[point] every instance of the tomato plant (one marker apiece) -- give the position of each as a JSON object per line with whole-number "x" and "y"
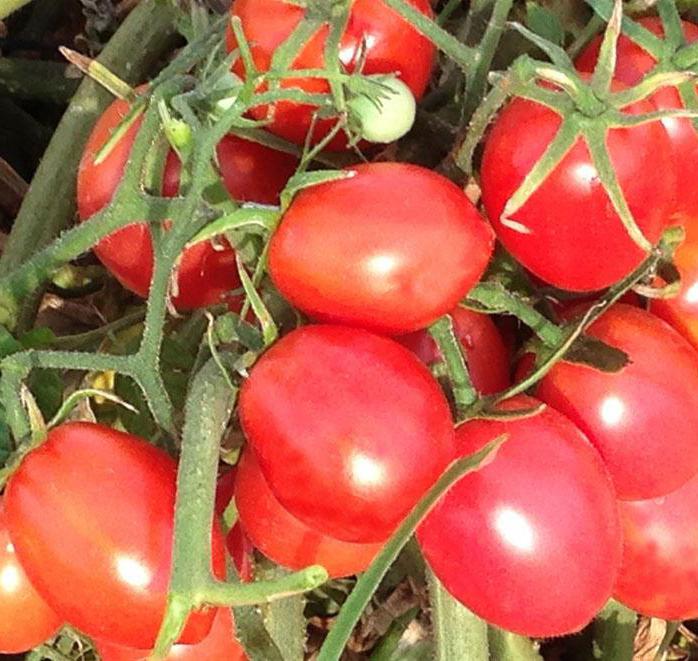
{"x": 205, "y": 274}
{"x": 543, "y": 507}
{"x": 219, "y": 645}
{"x": 486, "y": 353}
{"x": 330, "y": 409}
{"x": 372, "y": 250}
{"x": 26, "y": 620}
{"x": 659, "y": 576}
{"x": 568, "y": 232}
{"x": 283, "y": 538}
{"x": 110, "y": 497}
{"x": 622, "y": 412}
{"x": 375, "y": 37}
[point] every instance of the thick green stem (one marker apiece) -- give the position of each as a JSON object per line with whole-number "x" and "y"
{"x": 614, "y": 633}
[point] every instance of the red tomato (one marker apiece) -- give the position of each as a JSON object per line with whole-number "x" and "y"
{"x": 286, "y": 540}
{"x": 682, "y": 311}
{"x": 531, "y": 542}
{"x": 25, "y": 619}
{"x": 375, "y": 33}
{"x": 573, "y": 238}
{"x": 349, "y": 429}
{"x": 390, "y": 249}
{"x": 90, "y": 513}
{"x": 225, "y": 488}
{"x": 250, "y": 172}
{"x": 643, "y": 418}
{"x": 659, "y": 572}
{"x": 485, "y": 351}
{"x": 632, "y": 64}
{"x": 219, "y": 645}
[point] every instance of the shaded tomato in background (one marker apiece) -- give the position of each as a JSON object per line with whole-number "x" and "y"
{"x": 568, "y": 233}
{"x": 485, "y": 351}
{"x": 91, "y": 515}
{"x": 659, "y": 573}
{"x": 389, "y": 43}
{"x": 390, "y": 248}
{"x": 250, "y": 172}
{"x": 530, "y": 542}
{"x": 26, "y": 620}
{"x": 219, "y": 645}
{"x": 286, "y": 540}
{"x": 643, "y": 418}
{"x": 339, "y": 420}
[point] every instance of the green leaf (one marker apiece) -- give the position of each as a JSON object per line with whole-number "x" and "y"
{"x": 614, "y": 633}
{"x": 507, "y": 646}
{"x": 544, "y": 22}
{"x": 303, "y": 180}
{"x": 6, "y": 446}
{"x": 47, "y": 388}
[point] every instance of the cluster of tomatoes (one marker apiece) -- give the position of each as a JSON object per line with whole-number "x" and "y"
{"x": 591, "y": 496}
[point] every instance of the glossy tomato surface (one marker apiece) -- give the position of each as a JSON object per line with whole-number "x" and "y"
{"x": 250, "y": 172}
{"x": 219, "y": 645}
{"x": 568, "y": 233}
{"x": 286, "y": 540}
{"x": 90, "y": 513}
{"x": 389, "y": 249}
{"x": 26, "y": 620}
{"x": 642, "y": 419}
{"x": 349, "y": 429}
{"x": 632, "y": 64}
{"x": 659, "y": 572}
{"x": 485, "y": 351}
{"x": 531, "y": 542}
{"x": 386, "y": 43}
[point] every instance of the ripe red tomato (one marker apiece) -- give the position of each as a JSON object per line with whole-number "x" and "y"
{"x": 389, "y": 249}
{"x": 349, "y": 429}
{"x": 681, "y": 312}
{"x": 26, "y": 620}
{"x": 574, "y": 239}
{"x": 485, "y": 351}
{"x": 90, "y": 513}
{"x": 531, "y": 542}
{"x": 219, "y": 645}
{"x": 632, "y": 64}
{"x": 659, "y": 573}
{"x": 250, "y": 172}
{"x": 283, "y": 538}
{"x": 375, "y": 33}
{"x": 643, "y": 418}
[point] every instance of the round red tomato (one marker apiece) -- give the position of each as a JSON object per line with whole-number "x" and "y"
{"x": 349, "y": 429}
{"x": 659, "y": 572}
{"x": 375, "y": 33}
{"x": 643, "y": 418}
{"x": 389, "y": 249}
{"x": 485, "y": 351}
{"x": 632, "y": 64}
{"x": 531, "y": 542}
{"x": 219, "y": 645}
{"x": 26, "y": 620}
{"x": 250, "y": 172}
{"x": 568, "y": 233}
{"x": 90, "y": 513}
{"x": 286, "y": 540}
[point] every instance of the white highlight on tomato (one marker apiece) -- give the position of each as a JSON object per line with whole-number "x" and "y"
{"x": 366, "y": 472}
{"x": 10, "y": 579}
{"x": 514, "y": 529}
{"x": 133, "y": 571}
{"x": 612, "y": 410}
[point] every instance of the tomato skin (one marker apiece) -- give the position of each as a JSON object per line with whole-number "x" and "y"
{"x": 531, "y": 542}
{"x": 632, "y": 64}
{"x": 392, "y": 46}
{"x": 26, "y": 620}
{"x": 659, "y": 574}
{"x": 336, "y": 410}
{"x": 250, "y": 172}
{"x": 576, "y": 241}
{"x": 286, "y": 540}
{"x": 623, "y": 412}
{"x": 372, "y": 250}
{"x": 219, "y": 645}
{"x": 486, "y": 353}
{"x": 111, "y": 498}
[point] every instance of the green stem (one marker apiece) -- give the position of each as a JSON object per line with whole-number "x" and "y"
{"x": 7, "y": 7}
{"x": 458, "y": 633}
{"x": 614, "y": 633}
